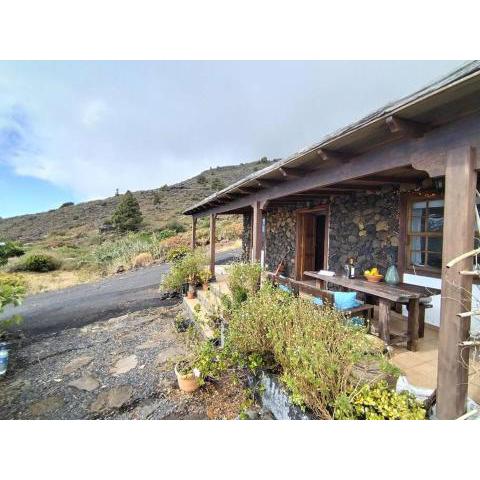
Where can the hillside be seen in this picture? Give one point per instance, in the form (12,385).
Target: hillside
(158,206)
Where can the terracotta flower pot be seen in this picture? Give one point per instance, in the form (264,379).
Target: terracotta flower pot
(191,292)
(187,383)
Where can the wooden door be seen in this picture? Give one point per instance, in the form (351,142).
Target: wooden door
(306,240)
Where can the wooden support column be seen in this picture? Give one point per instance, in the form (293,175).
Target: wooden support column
(257,232)
(194,232)
(458,232)
(213,219)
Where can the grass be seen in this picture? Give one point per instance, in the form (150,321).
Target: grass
(88,256)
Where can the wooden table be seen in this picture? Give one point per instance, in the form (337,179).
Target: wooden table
(387,295)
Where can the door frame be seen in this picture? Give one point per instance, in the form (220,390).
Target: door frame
(299,251)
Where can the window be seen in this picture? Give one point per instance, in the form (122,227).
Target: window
(425,234)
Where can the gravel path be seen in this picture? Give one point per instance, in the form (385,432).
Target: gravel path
(121,368)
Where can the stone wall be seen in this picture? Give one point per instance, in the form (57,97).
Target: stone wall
(362,225)
(366,227)
(247,237)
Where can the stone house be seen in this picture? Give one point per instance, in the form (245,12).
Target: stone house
(395,188)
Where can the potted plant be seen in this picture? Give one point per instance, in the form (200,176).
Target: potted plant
(188,377)
(204,278)
(185,271)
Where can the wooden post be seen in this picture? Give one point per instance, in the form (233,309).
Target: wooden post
(413,320)
(384,306)
(194,232)
(458,232)
(257,232)
(213,218)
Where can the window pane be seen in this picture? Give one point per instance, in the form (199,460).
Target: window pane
(417,242)
(417,258)
(435,244)
(418,217)
(435,260)
(435,219)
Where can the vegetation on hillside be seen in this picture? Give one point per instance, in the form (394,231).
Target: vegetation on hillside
(127,217)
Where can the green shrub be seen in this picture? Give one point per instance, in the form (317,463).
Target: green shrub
(175,254)
(127,215)
(166,233)
(12,291)
(243,280)
(186,270)
(175,225)
(378,402)
(315,348)
(38,262)
(9,250)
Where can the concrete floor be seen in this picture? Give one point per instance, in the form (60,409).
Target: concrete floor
(420,367)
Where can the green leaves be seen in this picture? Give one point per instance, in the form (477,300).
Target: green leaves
(12,291)
(378,402)
(127,216)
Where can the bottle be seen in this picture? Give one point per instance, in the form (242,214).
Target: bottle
(351,268)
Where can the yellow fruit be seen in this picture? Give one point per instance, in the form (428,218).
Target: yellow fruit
(366,272)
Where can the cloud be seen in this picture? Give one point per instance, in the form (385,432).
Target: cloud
(92,127)
(93,112)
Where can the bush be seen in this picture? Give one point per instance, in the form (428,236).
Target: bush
(230,231)
(143,259)
(177,254)
(12,291)
(315,348)
(127,216)
(217,184)
(9,250)
(378,402)
(176,226)
(166,233)
(67,204)
(38,262)
(243,280)
(186,270)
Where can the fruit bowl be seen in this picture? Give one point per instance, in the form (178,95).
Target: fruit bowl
(374,278)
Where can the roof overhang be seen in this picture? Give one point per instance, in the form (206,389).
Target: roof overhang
(451,98)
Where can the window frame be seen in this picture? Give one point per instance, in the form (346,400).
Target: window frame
(405,251)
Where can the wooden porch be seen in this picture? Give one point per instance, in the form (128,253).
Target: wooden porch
(425,143)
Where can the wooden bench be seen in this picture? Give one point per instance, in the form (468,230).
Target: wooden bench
(297,287)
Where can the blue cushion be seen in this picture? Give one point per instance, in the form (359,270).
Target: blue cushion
(345,300)
(284,288)
(317,301)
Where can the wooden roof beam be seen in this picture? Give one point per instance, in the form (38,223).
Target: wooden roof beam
(266,183)
(406,127)
(326,155)
(292,172)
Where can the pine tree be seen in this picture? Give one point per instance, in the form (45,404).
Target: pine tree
(127,216)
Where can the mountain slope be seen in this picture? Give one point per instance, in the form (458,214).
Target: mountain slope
(158,206)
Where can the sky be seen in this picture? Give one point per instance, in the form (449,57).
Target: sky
(76,131)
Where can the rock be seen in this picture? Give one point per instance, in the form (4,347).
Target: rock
(46,405)
(76,363)
(251,414)
(120,269)
(86,382)
(124,365)
(362,233)
(113,398)
(382,225)
(170,353)
(394,241)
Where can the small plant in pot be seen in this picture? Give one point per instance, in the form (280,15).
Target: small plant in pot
(204,277)
(187,270)
(188,376)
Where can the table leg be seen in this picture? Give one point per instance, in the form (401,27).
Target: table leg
(413,314)
(384,319)
(320,284)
